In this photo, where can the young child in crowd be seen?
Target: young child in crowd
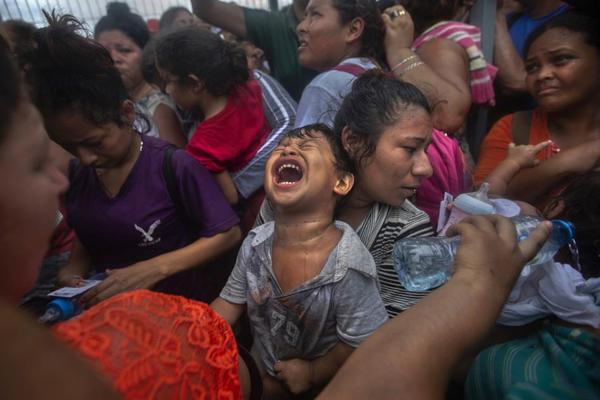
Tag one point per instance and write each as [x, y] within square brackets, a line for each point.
[309, 284]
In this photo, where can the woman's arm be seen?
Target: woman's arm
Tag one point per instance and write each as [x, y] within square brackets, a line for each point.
[146, 274]
[168, 126]
[439, 68]
[533, 183]
[227, 186]
[412, 355]
[73, 272]
[511, 69]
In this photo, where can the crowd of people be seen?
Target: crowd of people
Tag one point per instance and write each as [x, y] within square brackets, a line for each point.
[238, 181]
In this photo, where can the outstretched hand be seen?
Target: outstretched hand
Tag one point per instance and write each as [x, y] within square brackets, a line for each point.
[489, 252]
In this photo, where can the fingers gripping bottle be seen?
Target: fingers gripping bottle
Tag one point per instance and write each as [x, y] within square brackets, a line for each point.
[426, 263]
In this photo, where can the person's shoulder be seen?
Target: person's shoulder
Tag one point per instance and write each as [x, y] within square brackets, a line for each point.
[352, 254]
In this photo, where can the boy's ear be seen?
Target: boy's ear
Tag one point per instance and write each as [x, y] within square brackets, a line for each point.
[344, 184]
[554, 209]
[128, 112]
[196, 83]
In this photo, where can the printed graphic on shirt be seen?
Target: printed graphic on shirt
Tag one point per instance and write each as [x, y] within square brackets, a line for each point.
[147, 238]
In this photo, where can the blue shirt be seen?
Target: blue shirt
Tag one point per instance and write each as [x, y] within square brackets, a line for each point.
[525, 24]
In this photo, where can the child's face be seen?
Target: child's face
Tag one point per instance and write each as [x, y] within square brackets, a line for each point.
[301, 173]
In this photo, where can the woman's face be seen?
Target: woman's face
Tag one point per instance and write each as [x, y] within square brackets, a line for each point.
[126, 54]
[106, 146]
[394, 171]
[322, 37]
[183, 19]
[563, 71]
[31, 184]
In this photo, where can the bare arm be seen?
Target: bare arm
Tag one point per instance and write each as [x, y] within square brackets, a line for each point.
[227, 186]
[519, 157]
[440, 70]
[511, 69]
[227, 16]
[465, 309]
[37, 366]
[230, 312]
[145, 274]
[168, 125]
[532, 183]
[75, 269]
[301, 375]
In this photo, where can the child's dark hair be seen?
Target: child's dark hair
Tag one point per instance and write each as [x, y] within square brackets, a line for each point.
[70, 71]
[572, 21]
[374, 30]
[10, 91]
[342, 162]
[581, 201]
[149, 70]
[167, 18]
[120, 18]
[375, 102]
[220, 65]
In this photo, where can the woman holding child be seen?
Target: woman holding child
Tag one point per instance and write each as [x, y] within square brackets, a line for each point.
[563, 76]
[385, 126]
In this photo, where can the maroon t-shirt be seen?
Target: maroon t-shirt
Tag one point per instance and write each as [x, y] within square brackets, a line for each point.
[141, 221]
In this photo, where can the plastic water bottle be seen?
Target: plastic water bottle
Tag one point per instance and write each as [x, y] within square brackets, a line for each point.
[61, 309]
[425, 263]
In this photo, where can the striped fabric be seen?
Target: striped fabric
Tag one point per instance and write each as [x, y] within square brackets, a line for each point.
[384, 226]
[469, 38]
[280, 112]
[557, 363]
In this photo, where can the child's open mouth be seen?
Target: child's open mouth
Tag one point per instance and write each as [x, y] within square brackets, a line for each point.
[287, 172]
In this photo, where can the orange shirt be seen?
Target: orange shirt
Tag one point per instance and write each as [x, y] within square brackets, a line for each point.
[495, 145]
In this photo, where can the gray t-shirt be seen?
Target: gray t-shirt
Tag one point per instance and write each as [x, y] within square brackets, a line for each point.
[342, 303]
[322, 98]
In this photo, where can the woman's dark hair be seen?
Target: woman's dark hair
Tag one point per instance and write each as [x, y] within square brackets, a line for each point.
[220, 65]
[119, 18]
[426, 13]
[20, 35]
[571, 21]
[374, 30]
[375, 102]
[167, 18]
[10, 91]
[70, 71]
[582, 208]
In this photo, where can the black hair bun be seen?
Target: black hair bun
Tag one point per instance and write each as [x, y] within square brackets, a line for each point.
[117, 9]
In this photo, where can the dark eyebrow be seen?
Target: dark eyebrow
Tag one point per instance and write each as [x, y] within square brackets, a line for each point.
[552, 52]
[415, 138]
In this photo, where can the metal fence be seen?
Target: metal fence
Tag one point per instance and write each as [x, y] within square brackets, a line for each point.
[89, 11]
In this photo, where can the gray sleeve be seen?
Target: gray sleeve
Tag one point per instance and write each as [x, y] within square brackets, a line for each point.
[280, 111]
[359, 310]
[236, 288]
[317, 105]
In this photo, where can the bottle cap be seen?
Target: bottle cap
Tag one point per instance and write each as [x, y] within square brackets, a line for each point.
[65, 307]
[562, 231]
[473, 206]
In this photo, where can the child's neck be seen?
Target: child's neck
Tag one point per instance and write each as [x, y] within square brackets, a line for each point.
[292, 230]
[212, 105]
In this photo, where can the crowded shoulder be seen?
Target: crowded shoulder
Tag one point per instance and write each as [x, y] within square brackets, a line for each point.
[337, 199]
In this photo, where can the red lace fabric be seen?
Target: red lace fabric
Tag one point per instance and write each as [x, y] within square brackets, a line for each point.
[158, 346]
